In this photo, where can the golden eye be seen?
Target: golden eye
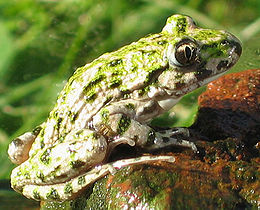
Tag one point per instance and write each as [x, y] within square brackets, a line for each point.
[185, 53]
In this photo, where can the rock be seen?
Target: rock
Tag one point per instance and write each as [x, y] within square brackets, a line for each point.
[231, 107]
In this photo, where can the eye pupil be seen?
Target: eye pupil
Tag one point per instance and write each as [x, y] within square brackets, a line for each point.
[188, 52]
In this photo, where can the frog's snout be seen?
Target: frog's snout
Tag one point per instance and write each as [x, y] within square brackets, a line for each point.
[234, 52]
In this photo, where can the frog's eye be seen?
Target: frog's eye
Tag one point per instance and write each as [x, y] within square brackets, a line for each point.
[185, 53]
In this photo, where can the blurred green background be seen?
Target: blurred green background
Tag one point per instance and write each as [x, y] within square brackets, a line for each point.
[43, 41]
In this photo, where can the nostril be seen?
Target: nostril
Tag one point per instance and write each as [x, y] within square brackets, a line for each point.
[235, 44]
[238, 48]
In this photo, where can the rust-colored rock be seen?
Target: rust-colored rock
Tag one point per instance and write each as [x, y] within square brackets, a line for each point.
[237, 91]
[231, 108]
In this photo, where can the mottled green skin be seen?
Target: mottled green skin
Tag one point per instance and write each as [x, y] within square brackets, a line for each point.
[109, 102]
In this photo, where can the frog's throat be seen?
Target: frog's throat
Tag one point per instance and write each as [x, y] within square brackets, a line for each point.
[167, 104]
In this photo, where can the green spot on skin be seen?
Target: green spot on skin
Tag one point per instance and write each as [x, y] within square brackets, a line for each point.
[81, 180]
[115, 82]
[123, 124]
[90, 89]
[163, 42]
[152, 75]
[68, 189]
[36, 130]
[42, 144]
[78, 133]
[36, 195]
[130, 106]
[150, 138]
[214, 50]
[104, 115]
[98, 78]
[27, 175]
[90, 96]
[45, 157]
[94, 136]
[77, 164]
[124, 91]
[59, 121]
[53, 194]
[74, 117]
[61, 139]
[115, 62]
[207, 46]
[40, 175]
[181, 25]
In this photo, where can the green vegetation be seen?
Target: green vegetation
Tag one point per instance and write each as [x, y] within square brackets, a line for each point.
[43, 41]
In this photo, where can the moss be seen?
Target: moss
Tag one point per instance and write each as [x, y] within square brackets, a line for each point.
[98, 198]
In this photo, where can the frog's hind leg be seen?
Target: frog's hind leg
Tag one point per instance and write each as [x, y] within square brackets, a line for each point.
[80, 151]
[70, 189]
[172, 137]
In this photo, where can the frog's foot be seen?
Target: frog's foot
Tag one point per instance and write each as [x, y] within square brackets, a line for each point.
[19, 148]
[70, 189]
[173, 137]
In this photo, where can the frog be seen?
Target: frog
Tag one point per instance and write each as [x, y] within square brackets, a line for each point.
[112, 101]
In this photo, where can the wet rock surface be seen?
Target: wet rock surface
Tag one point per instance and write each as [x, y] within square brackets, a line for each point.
[231, 108]
[223, 174]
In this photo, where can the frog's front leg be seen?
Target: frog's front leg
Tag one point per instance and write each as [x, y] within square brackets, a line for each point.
[123, 126]
[135, 133]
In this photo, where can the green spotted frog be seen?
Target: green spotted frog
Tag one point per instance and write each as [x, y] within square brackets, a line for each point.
[111, 101]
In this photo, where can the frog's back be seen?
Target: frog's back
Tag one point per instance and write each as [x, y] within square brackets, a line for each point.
[109, 78]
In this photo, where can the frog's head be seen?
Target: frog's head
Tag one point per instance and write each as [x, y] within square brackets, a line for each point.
[195, 56]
